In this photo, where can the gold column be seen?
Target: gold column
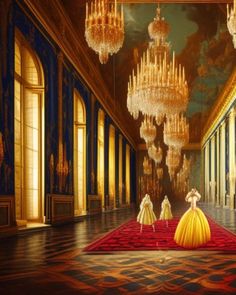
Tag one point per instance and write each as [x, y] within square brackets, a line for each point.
[218, 168]
[212, 182]
[207, 172]
[232, 157]
[93, 99]
[62, 165]
[222, 165]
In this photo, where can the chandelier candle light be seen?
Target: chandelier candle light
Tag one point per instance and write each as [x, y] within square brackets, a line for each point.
[231, 21]
[158, 87]
[104, 28]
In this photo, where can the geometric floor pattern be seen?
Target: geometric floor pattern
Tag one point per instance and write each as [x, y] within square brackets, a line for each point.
[52, 262]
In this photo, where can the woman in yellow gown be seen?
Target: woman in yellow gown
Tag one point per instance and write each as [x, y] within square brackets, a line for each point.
[166, 210]
[193, 228]
[146, 214]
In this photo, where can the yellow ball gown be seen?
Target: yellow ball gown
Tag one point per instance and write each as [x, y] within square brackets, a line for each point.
[166, 210]
[193, 228]
[146, 214]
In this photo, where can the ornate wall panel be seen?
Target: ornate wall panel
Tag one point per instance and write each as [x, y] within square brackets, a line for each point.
[7, 97]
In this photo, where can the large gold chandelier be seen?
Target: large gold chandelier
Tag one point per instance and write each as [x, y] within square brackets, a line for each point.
[104, 28]
[159, 85]
[231, 21]
[176, 131]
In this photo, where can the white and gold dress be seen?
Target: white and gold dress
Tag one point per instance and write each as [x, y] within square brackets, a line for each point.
[166, 210]
[146, 214]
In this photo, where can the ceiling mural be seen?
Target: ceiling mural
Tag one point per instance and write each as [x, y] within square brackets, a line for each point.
[200, 39]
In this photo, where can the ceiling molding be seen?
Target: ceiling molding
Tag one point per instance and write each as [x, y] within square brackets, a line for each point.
[220, 108]
[59, 27]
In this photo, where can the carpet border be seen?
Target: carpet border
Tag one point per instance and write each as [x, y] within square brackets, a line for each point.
[162, 249]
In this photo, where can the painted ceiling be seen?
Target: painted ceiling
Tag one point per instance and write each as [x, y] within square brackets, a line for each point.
[200, 39]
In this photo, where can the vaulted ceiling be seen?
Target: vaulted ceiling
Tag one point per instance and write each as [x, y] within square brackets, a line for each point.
[198, 35]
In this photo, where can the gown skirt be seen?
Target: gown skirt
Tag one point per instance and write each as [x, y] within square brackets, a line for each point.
[193, 229]
[146, 215]
[166, 213]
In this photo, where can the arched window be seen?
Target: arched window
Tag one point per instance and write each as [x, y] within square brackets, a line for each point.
[79, 154]
[120, 168]
[111, 174]
[28, 133]
[127, 174]
[100, 155]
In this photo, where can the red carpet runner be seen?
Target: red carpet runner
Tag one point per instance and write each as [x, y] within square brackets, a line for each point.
[127, 237]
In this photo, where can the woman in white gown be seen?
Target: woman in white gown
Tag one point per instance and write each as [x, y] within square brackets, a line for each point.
[146, 215]
[166, 210]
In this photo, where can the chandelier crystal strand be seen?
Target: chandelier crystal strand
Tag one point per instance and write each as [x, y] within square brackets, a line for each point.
[148, 130]
[172, 161]
[231, 21]
[182, 177]
[104, 28]
[159, 172]
[155, 153]
[176, 131]
[147, 166]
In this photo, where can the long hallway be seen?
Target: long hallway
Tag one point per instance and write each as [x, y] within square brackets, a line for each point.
[52, 260]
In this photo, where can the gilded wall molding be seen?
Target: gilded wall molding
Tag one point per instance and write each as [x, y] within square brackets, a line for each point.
[59, 27]
[220, 108]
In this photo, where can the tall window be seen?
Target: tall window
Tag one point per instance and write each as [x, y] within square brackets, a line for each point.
[111, 174]
[79, 154]
[127, 187]
[28, 133]
[100, 154]
[120, 168]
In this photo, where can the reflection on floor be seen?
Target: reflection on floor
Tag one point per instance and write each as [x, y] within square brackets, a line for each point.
[52, 261]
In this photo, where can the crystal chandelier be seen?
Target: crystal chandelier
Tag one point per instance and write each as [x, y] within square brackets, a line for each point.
[172, 161]
[231, 21]
[159, 85]
[158, 29]
[176, 131]
[155, 153]
[104, 28]
[147, 166]
[148, 130]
